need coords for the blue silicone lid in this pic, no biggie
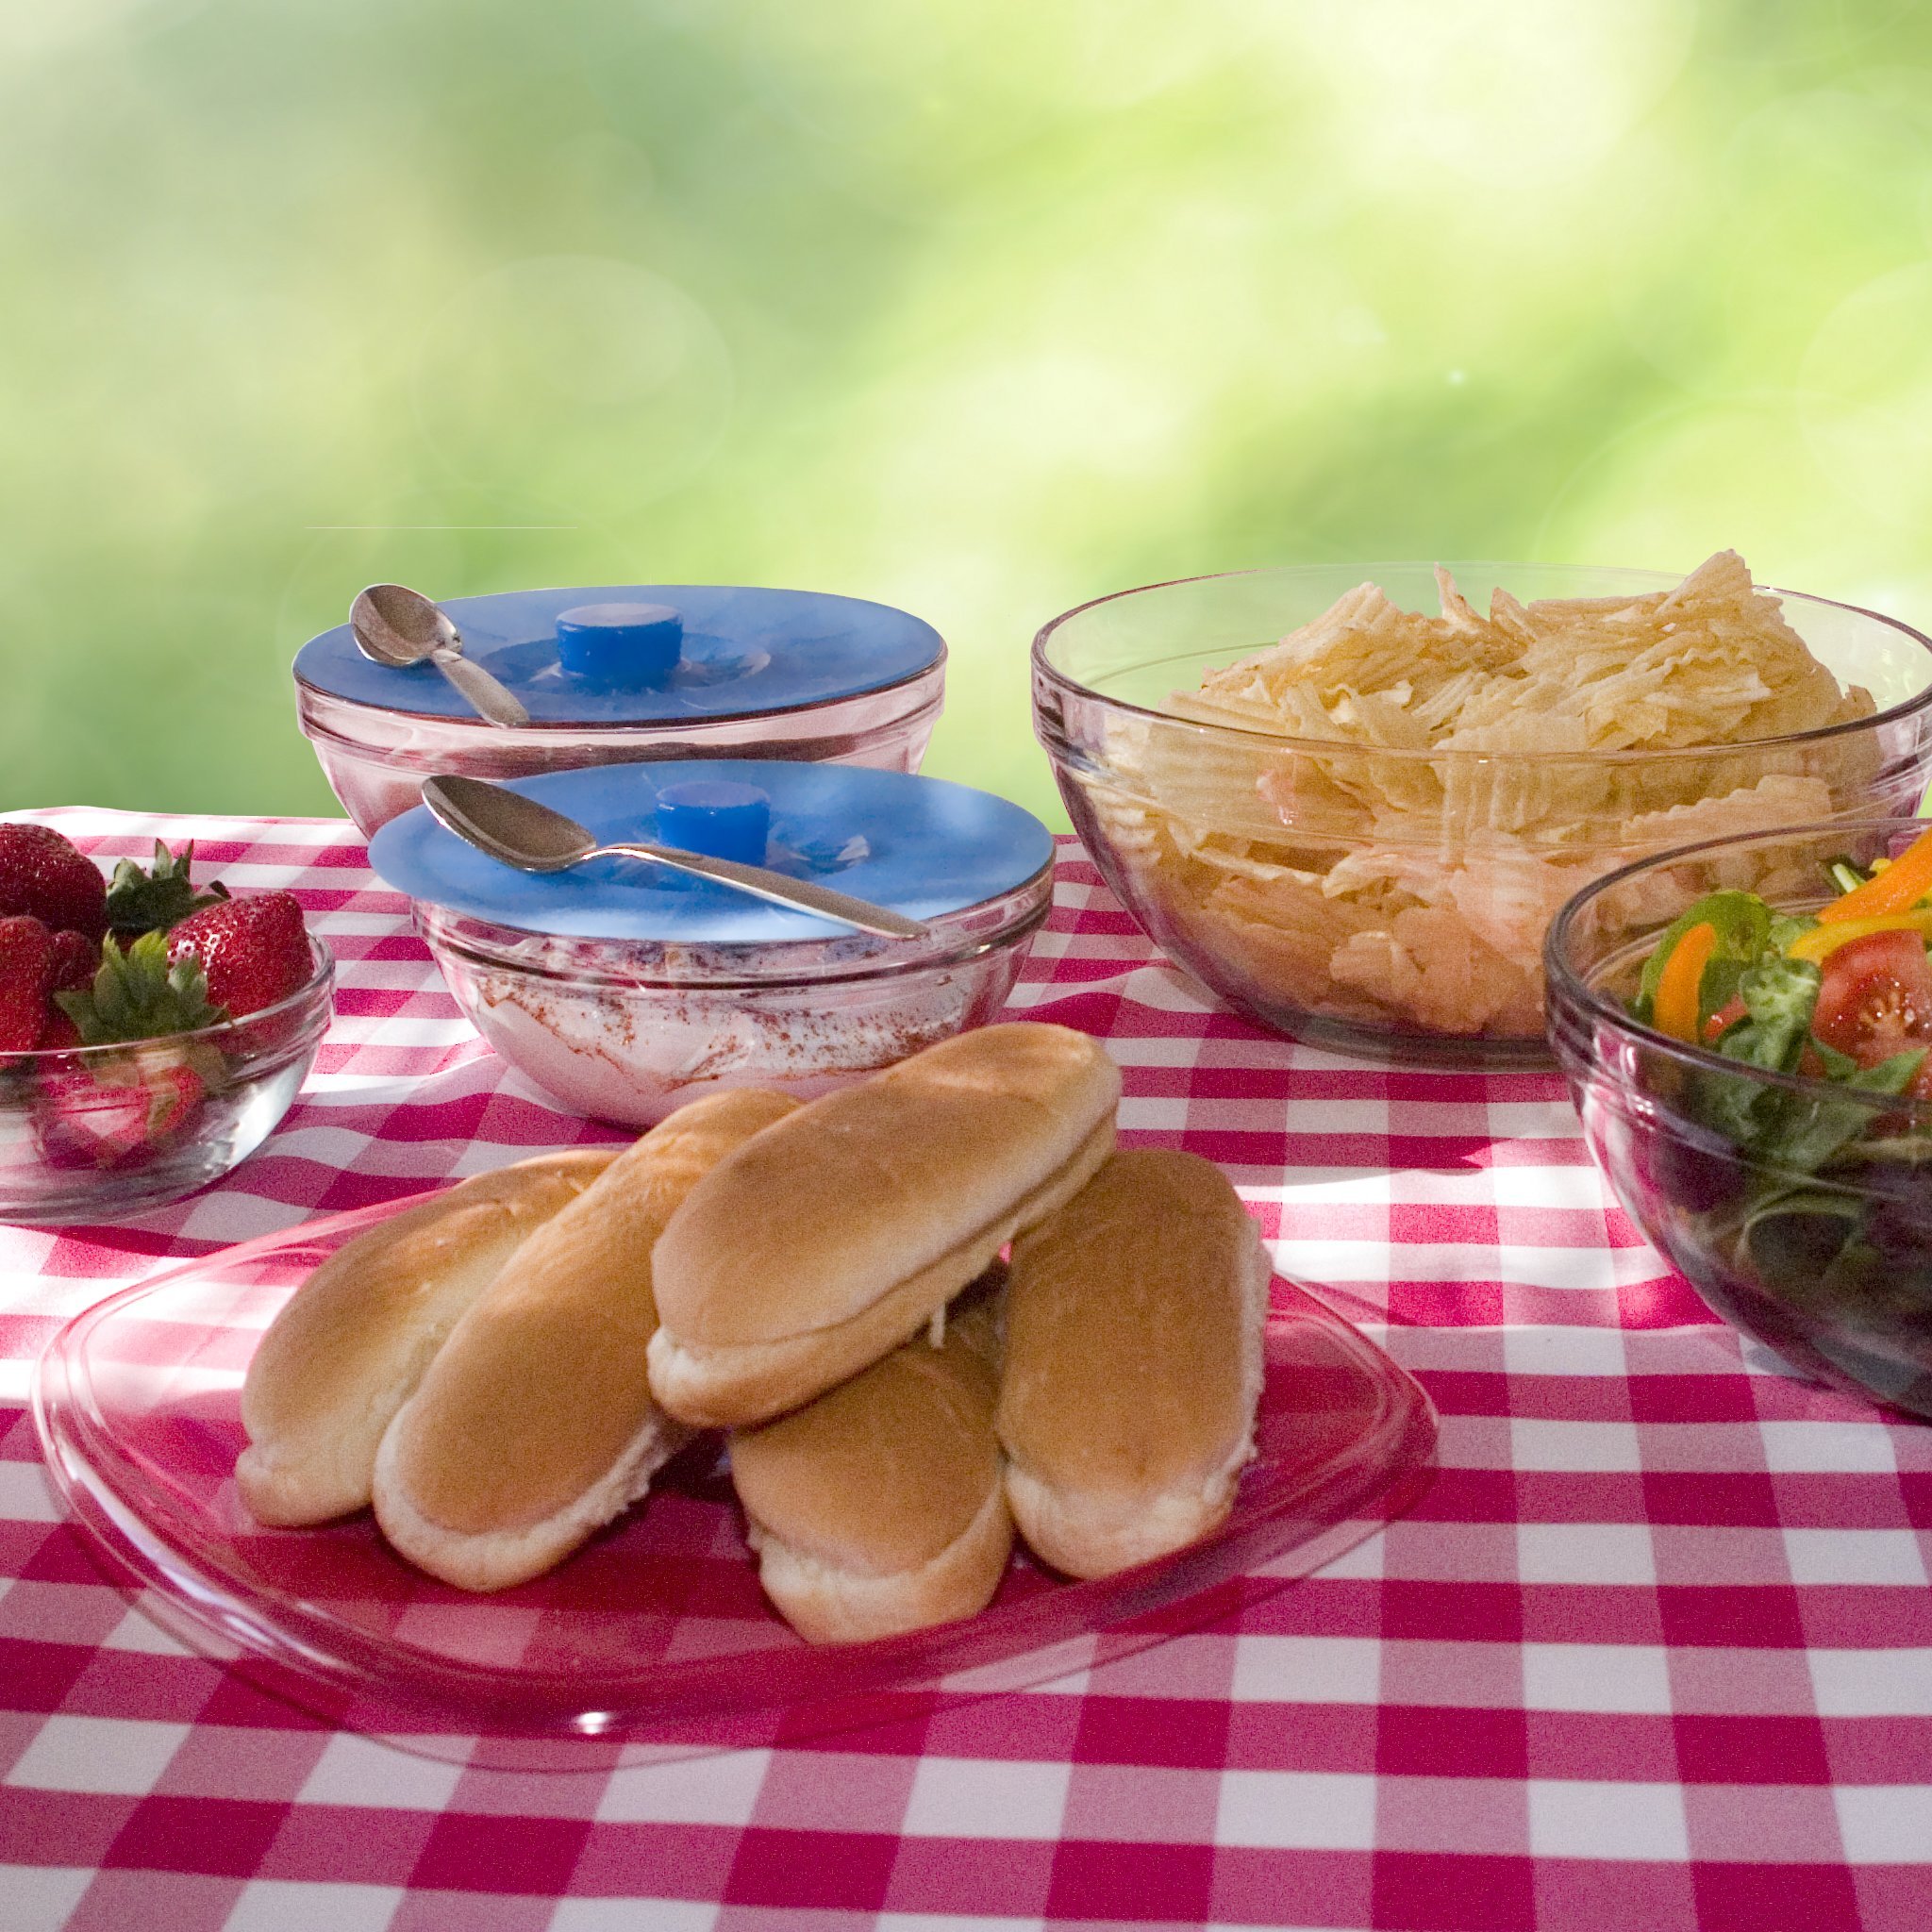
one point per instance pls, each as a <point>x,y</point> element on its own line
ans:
<point>921,846</point>
<point>743,651</point>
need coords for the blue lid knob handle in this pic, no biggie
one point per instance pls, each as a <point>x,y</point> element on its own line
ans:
<point>718,817</point>
<point>619,646</point>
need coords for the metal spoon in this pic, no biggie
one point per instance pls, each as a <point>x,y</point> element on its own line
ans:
<point>533,838</point>
<point>397,626</point>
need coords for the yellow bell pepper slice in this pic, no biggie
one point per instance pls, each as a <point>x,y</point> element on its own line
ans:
<point>1675,1009</point>
<point>1824,940</point>
<point>1897,888</point>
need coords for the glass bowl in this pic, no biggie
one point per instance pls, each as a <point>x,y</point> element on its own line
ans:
<point>628,1030</point>
<point>96,1133</point>
<point>623,990</point>
<point>1456,861</point>
<point>1821,1248</point>
<point>379,732</point>
<point>657,1629</point>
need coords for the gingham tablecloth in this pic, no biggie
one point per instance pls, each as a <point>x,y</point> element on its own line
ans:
<point>1655,1650</point>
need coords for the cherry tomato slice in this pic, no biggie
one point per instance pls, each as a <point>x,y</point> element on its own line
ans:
<point>1722,1021</point>
<point>1875,998</point>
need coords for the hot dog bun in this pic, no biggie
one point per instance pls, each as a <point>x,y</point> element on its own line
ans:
<point>818,1248</point>
<point>1132,1363</point>
<point>878,1508</point>
<point>534,1426</point>
<point>350,1344</point>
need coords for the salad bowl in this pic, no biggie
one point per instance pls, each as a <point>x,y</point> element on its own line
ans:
<point>1746,1026</point>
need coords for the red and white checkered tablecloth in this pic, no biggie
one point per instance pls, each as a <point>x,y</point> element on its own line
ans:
<point>1654,1652</point>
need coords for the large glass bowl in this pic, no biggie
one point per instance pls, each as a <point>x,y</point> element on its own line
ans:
<point>1821,1248</point>
<point>628,1030</point>
<point>1437,960</point>
<point>96,1133</point>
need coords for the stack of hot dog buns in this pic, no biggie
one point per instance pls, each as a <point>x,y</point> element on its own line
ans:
<point>502,1369</point>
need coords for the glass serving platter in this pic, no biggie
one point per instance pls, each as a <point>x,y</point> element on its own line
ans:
<point>655,1632</point>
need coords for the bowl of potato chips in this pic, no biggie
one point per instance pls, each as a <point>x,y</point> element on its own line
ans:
<point>1349,799</point>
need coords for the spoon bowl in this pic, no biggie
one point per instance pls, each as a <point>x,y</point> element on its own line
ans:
<point>396,626</point>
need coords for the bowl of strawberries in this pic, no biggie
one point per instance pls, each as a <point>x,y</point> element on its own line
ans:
<point>152,1033</point>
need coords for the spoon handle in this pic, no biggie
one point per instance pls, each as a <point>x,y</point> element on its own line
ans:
<point>477,684</point>
<point>778,889</point>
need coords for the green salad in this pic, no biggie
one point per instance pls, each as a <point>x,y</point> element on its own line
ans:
<point>1843,996</point>
<point>1818,1193</point>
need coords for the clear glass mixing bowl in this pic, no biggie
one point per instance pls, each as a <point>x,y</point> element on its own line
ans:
<point>1393,902</point>
<point>1827,1261</point>
<point>627,1030</point>
<point>376,759</point>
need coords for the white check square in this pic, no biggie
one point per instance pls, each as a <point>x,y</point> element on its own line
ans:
<point>1585,1553</point>
<point>1885,1824</point>
<point>1543,1442</point>
<point>276,1905</point>
<point>1572,1818</point>
<point>354,1770</point>
<point>633,1915</point>
<point>1634,1678</point>
<point>1849,1448</point>
<point>1871,1683</point>
<point>42,1898</point>
<point>1855,1556</point>
<point>720,1790</point>
<point>125,1755</point>
<point>946,1921</point>
<point>26,1496</point>
<point>962,1797</point>
<point>1297,1810</point>
<point>137,1631</point>
<point>1305,1670</point>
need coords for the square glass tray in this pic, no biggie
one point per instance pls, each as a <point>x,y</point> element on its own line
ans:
<point>655,1632</point>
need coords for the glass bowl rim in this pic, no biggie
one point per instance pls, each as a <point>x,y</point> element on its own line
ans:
<point>770,964</point>
<point>592,727</point>
<point>1567,987</point>
<point>1065,681</point>
<point>321,981</point>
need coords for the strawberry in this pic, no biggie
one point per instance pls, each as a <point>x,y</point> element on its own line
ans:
<point>76,961</point>
<point>118,1105</point>
<point>255,950</point>
<point>140,901</point>
<point>26,971</point>
<point>60,1035</point>
<point>43,875</point>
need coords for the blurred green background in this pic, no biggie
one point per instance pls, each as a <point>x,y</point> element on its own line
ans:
<point>979,307</point>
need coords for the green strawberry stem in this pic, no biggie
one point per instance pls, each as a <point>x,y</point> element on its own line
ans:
<point>151,901</point>
<point>138,995</point>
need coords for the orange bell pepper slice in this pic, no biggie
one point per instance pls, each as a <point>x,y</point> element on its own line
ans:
<point>1897,888</point>
<point>1675,1009</point>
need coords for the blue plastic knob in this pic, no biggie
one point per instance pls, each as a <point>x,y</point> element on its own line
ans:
<point>619,646</point>
<point>719,817</point>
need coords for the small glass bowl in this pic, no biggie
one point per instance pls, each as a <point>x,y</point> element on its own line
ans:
<point>97,1133</point>
<point>628,1030</point>
<point>1829,1266</point>
<point>376,759</point>
<point>1457,861</point>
